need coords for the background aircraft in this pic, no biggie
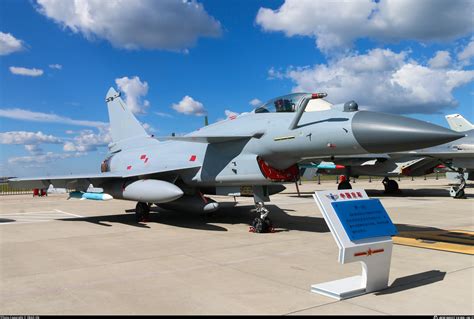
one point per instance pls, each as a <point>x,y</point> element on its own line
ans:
<point>457,156</point>
<point>260,149</point>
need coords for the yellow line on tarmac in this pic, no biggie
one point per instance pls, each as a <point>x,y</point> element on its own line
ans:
<point>456,241</point>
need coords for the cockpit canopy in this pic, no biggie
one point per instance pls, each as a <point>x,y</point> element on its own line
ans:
<point>286,103</point>
<point>289,104</point>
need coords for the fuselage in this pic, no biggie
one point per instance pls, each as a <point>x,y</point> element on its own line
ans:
<point>235,163</point>
<point>269,157</point>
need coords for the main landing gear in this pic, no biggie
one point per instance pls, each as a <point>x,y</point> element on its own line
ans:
<point>391,186</point>
<point>458,192</point>
<point>142,212</point>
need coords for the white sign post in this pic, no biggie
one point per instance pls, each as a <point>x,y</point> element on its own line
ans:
<point>362,231</point>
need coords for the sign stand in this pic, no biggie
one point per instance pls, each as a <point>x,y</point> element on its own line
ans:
<point>362,230</point>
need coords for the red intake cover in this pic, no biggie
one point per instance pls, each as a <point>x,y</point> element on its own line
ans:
<point>289,174</point>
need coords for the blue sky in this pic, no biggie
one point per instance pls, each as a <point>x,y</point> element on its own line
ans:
<point>213,56</point>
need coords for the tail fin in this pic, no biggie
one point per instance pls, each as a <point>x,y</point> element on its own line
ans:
<point>123,124</point>
<point>458,123</point>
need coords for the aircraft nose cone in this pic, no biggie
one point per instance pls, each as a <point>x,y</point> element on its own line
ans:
<point>384,133</point>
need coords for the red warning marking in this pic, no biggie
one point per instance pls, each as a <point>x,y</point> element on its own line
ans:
<point>348,195</point>
<point>359,194</point>
<point>363,253</point>
<point>192,158</point>
<point>143,157</point>
<point>146,159</point>
<point>129,167</point>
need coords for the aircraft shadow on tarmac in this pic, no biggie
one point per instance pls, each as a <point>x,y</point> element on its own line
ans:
<point>227,214</point>
<point>6,220</point>
<point>413,281</point>
<point>421,192</point>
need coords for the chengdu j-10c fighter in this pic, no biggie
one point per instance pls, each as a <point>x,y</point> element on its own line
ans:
<point>260,149</point>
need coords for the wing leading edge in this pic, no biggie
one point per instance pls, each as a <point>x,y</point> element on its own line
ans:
<point>84,180</point>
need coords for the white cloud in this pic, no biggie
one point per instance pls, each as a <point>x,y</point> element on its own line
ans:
<point>9,44</point>
<point>56,66</point>
<point>467,53</point>
<point>25,71</point>
<point>189,106</point>
<point>148,24</point>
<point>161,114</point>
<point>275,74</point>
<point>441,60</point>
<point>134,90</point>
<point>44,158</point>
<point>34,149</point>
<point>88,141</point>
<point>383,80</point>
<point>337,24</point>
<point>25,115</point>
<point>23,137</point>
<point>255,102</point>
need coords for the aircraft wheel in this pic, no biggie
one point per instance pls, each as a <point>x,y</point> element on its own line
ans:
<point>391,186</point>
<point>344,185</point>
<point>262,225</point>
<point>460,194</point>
<point>142,212</point>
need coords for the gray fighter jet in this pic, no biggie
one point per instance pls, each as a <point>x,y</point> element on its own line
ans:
<point>259,149</point>
<point>457,156</point>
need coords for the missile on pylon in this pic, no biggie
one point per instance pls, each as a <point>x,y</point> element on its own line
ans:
<point>90,196</point>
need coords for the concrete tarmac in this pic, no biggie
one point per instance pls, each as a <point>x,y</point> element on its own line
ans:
<point>60,256</point>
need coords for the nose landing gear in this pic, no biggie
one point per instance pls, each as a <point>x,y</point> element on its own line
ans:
<point>458,192</point>
<point>262,224</point>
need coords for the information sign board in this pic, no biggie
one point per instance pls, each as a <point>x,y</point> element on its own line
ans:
<point>365,218</point>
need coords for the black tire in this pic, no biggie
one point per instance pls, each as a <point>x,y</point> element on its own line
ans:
<point>269,224</point>
<point>391,186</point>
<point>460,194</point>
<point>138,216</point>
<point>262,225</point>
<point>142,210</point>
<point>344,185</point>
<point>258,225</point>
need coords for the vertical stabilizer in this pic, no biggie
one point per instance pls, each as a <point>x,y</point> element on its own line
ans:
<point>458,123</point>
<point>123,124</point>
